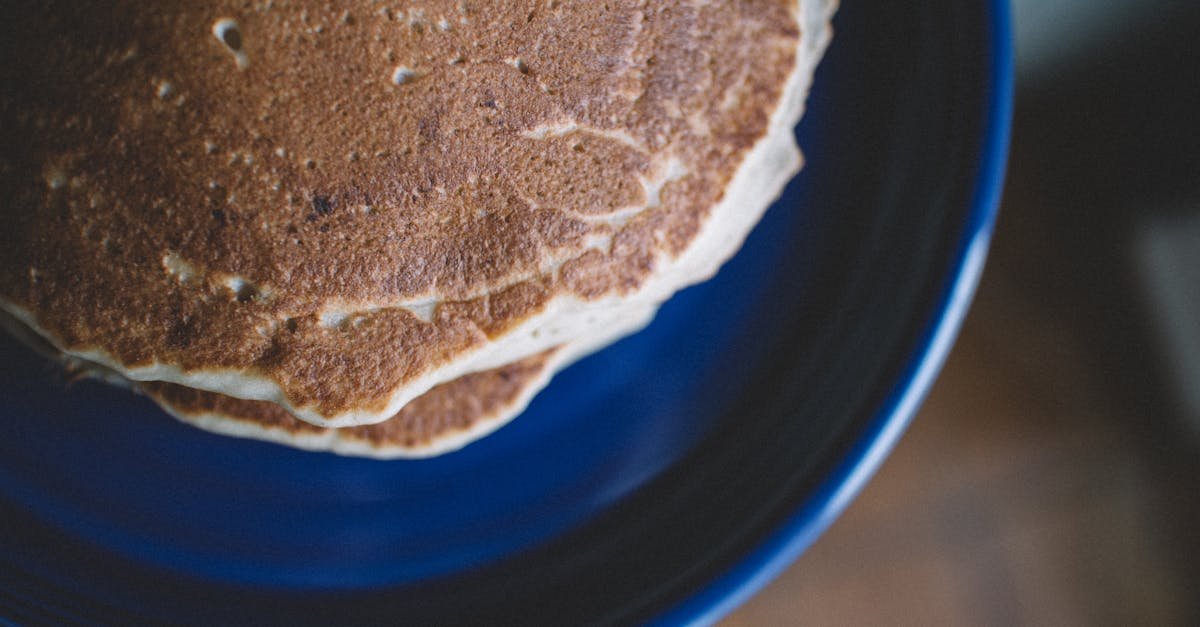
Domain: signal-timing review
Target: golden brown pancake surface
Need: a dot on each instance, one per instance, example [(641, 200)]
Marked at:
[(339, 201)]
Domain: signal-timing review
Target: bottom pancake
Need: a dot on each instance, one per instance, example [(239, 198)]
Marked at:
[(444, 418)]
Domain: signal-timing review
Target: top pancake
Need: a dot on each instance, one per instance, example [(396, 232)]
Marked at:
[(336, 209)]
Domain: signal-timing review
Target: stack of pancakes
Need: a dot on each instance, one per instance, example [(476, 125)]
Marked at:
[(378, 230)]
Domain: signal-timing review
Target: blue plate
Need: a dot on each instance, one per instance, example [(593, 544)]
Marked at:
[(665, 478)]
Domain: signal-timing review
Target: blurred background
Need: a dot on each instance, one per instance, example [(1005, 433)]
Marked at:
[(1053, 475)]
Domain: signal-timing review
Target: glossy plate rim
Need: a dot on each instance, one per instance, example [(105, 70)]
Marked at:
[(838, 490)]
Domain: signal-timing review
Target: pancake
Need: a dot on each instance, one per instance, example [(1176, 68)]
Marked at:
[(335, 210), (447, 417)]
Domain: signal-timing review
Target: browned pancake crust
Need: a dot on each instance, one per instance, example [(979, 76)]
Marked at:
[(131, 136), (444, 411)]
